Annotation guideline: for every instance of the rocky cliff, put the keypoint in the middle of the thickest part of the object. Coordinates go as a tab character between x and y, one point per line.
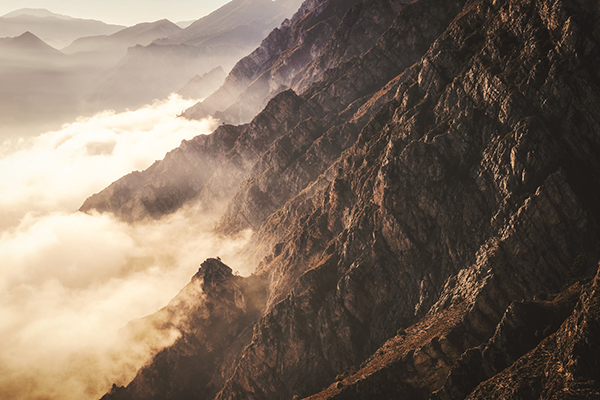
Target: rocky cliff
319	36
425	211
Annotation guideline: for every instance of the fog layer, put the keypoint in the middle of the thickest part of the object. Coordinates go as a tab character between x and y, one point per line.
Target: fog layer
70	281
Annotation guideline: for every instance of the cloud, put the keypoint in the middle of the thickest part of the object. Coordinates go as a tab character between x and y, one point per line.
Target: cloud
69	281
58	170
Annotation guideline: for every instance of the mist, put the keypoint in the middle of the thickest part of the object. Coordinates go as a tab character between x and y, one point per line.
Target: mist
69	281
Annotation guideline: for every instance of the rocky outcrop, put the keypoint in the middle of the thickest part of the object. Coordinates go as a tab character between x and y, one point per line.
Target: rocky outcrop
563	365
412	222
212	315
524	325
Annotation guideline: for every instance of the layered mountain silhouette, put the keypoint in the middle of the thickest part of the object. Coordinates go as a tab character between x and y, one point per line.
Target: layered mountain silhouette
218	39
55	29
35	12
423	187
27	45
38	85
110	67
111	48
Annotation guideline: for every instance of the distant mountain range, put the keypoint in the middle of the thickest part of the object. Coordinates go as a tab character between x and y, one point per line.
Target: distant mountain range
55	29
35	12
105	66
113	47
25	46
218	39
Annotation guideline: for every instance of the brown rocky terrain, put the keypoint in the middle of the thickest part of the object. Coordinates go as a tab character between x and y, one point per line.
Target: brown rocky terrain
424	207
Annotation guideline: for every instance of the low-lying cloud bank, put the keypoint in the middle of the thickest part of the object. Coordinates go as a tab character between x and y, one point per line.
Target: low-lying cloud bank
70	281
57	171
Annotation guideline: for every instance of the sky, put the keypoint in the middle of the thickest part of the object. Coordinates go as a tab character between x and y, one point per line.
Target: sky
121	12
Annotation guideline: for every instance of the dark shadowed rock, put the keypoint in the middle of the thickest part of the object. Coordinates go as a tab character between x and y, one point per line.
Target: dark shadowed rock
425	210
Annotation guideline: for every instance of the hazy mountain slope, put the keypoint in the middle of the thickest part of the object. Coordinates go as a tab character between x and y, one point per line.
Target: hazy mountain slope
221	159
219	39
56	31
264	14
35	12
232	171
115	46
28	97
268	70
464	184
27	45
201	86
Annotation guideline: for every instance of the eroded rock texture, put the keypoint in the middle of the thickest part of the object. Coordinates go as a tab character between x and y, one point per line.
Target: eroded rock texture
425	210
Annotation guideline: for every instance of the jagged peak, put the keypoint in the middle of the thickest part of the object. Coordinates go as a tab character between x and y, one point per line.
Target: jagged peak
212	271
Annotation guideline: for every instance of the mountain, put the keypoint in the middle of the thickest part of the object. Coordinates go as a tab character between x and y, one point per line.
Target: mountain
259	16
424	209
27	45
201	86
28	98
113	47
284	53
56	30
35	12
218	39
184	24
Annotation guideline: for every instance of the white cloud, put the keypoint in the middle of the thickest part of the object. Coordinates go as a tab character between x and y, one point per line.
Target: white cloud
69	281
58	170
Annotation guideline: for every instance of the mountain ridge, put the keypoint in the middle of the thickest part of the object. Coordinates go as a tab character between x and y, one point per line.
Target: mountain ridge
58	32
35	12
118	42
179	59
425	209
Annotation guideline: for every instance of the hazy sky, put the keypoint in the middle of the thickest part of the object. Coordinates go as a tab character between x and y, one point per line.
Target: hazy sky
123	12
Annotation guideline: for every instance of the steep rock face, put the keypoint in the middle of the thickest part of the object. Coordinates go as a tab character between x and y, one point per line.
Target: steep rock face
524	325
468	192
268	69
467	183
564	365
351	89
213	164
211	314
